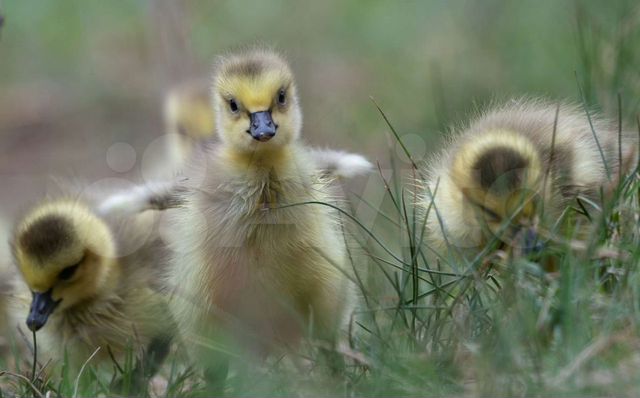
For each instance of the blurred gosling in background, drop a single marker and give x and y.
(189, 119)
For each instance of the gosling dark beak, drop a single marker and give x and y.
(42, 306)
(531, 243)
(262, 126)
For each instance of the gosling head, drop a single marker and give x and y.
(500, 176)
(188, 117)
(66, 255)
(187, 111)
(255, 101)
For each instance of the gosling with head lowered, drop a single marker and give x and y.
(514, 171)
(251, 259)
(92, 279)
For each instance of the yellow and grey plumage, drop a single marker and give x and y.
(502, 168)
(93, 281)
(190, 123)
(244, 262)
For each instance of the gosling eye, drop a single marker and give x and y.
(68, 272)
(493, 215)
(282, 97)
(233, 106)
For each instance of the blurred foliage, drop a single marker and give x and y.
(427, 62)
(77, 76)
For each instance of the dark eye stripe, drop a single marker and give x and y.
(68, 272)
(487, 211)
(491, 213)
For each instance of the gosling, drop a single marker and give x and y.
(503, 177)
(189, 120)
(252, 260)
(91, 281)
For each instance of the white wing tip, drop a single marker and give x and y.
(135, 200)
(352, 165)
(123, 203)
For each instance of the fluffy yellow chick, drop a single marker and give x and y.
(91, 281)
(189, 119)
(502, 176)
(246, 262)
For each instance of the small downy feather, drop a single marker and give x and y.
(340, 163)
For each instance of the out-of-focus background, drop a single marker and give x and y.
(77, 77)
(82, 85)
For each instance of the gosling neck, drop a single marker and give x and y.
(276, 159)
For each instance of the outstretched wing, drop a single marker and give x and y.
(340, 163)
(151, 196)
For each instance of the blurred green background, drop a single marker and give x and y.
(78, 76)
